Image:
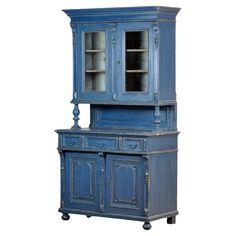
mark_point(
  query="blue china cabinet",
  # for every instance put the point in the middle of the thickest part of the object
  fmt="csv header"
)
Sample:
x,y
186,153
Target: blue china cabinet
x,y
125,164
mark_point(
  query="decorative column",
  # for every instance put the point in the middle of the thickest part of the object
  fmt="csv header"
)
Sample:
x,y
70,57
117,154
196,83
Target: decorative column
x,y
76,110
76,113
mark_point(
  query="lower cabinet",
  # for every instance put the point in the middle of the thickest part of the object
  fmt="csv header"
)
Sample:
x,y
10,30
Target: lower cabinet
x,y
103,183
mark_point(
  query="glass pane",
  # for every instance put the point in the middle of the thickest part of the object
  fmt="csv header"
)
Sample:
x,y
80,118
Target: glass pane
x,y
95,41
136,76
95,61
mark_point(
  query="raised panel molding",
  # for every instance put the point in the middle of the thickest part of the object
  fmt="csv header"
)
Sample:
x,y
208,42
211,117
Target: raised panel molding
x,y
83,180
124,184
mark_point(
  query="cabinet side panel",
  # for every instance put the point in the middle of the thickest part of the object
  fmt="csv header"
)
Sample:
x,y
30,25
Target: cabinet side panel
x,y
163,183
162,143
167,61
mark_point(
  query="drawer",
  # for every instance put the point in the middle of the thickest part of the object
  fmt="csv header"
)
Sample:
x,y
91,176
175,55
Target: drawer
x,y
71,142
105,143
133,144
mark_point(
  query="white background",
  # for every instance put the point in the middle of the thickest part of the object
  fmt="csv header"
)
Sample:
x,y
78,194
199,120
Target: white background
x,y
35,94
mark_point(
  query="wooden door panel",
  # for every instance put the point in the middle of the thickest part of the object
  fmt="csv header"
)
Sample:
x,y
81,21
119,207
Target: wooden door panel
x,y
124,184
82,181
124,175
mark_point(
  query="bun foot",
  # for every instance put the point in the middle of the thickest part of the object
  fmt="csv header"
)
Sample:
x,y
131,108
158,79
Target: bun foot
x,y
65,216
147,226
171,220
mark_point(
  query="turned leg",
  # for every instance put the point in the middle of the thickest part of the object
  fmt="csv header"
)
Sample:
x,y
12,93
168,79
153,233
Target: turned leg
x,y
171,220
65,216
147,225
76,113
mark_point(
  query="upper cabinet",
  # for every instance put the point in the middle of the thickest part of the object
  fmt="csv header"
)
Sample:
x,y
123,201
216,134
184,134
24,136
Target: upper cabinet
x,y
124,55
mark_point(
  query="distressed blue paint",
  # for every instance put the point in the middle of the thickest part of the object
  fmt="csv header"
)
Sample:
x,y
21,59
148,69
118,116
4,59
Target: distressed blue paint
x,y
167,61
163,185
123,117
125,14
70,141
118,141
124,165
101,142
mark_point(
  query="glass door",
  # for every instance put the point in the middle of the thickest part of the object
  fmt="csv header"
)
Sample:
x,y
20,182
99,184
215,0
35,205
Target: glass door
x,y
136,61
95,64
136,69
95,61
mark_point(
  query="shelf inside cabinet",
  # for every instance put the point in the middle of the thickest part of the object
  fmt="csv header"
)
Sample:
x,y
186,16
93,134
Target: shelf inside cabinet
x,y
95,71
94,50
95,80
136,71
137,50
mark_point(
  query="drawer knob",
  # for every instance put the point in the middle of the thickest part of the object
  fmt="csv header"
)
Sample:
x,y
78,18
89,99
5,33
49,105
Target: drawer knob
x,y
72,143
132,146
114,96
101,145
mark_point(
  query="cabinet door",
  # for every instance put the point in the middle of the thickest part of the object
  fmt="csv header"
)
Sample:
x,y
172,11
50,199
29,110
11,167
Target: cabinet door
x,y
82,178
125,184
94,81
136,59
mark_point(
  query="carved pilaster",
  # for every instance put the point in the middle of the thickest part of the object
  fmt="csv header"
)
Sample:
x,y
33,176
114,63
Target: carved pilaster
x,y
62,177
102,181
147,186
146,172
114,35
157,116
102,164
75,60
120,143
116,58
76,113
156,35
74,33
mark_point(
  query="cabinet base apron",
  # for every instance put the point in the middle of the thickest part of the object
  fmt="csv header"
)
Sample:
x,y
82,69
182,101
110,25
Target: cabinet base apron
x,y
168,215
